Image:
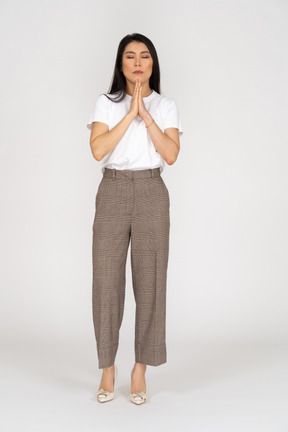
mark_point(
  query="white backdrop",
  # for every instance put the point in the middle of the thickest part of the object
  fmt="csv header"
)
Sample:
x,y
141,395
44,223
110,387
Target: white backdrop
x,y
225,63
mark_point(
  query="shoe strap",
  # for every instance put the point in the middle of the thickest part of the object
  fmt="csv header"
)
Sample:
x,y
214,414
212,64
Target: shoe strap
x,y
139,395
103,392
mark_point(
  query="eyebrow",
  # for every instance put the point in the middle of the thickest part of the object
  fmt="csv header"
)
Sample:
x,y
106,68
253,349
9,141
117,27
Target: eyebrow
x,y
126,52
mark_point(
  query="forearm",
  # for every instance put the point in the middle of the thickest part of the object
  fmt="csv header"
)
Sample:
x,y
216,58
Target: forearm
x,y
106,142
164,145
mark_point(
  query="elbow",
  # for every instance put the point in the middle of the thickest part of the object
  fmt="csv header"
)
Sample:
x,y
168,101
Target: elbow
x,y
95,152
171,161
172,158
97,156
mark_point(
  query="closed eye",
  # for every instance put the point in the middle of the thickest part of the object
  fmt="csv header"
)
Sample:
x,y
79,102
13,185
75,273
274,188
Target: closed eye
x,y
132,57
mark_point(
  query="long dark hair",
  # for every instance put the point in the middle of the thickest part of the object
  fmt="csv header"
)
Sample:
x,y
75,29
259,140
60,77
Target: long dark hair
x,y
119,80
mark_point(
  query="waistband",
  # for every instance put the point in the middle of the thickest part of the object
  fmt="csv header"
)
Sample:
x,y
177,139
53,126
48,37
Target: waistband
x,y
131,174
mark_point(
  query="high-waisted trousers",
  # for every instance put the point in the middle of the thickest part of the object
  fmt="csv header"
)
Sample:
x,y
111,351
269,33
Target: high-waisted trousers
x,y
131,204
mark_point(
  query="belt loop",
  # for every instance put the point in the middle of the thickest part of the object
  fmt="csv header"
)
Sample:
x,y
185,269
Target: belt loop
x,y
152,172
114,172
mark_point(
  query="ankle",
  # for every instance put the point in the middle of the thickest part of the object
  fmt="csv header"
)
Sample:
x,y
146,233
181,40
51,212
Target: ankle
x,y
139,368
108,372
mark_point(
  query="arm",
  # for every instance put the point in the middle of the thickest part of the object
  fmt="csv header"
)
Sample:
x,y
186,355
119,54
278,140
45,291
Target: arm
x,y
167,143
103,141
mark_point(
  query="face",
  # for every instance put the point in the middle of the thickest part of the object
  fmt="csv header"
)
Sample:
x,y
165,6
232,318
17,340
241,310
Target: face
x,y
136,57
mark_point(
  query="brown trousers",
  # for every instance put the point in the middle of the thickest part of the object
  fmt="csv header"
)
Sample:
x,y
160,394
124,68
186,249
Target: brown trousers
x,y
131,204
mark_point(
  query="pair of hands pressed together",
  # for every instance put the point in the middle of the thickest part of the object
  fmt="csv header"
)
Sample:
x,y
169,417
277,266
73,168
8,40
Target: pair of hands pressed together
x,y
137,105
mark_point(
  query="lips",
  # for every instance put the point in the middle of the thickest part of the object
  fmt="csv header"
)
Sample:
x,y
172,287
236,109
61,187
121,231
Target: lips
x,y
138,72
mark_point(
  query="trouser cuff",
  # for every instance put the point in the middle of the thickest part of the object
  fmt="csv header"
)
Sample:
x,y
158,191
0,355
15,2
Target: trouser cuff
x,y
106,356
152,355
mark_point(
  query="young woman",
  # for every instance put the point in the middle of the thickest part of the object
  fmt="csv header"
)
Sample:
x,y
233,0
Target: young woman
x,y
134,132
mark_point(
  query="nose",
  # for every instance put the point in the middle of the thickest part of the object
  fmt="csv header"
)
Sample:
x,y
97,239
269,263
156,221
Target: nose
x,y
137,62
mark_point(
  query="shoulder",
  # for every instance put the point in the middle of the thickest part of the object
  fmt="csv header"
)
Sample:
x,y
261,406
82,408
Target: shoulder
x,y
165,101
100,102
105,98
104,102
111,100
102,98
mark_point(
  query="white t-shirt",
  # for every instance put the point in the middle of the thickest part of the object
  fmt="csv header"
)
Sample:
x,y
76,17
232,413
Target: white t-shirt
x,y
135,150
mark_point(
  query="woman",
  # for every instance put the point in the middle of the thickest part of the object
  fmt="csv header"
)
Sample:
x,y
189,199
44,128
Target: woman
x,y
134,132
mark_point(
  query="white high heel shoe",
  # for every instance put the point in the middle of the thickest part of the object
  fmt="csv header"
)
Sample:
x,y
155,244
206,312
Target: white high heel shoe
x,y
104,395
138,397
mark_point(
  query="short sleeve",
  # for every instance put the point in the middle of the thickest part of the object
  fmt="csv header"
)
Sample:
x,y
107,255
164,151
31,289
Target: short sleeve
x,y
100,111
172,117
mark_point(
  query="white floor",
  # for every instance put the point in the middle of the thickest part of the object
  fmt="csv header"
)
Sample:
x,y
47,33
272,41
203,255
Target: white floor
x,y
49,386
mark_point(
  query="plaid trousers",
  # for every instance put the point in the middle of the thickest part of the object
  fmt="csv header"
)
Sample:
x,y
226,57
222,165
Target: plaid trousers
x,y
131,204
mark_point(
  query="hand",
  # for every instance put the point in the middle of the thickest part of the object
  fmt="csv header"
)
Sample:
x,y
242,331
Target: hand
x,y
137,103
142,110
134,101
